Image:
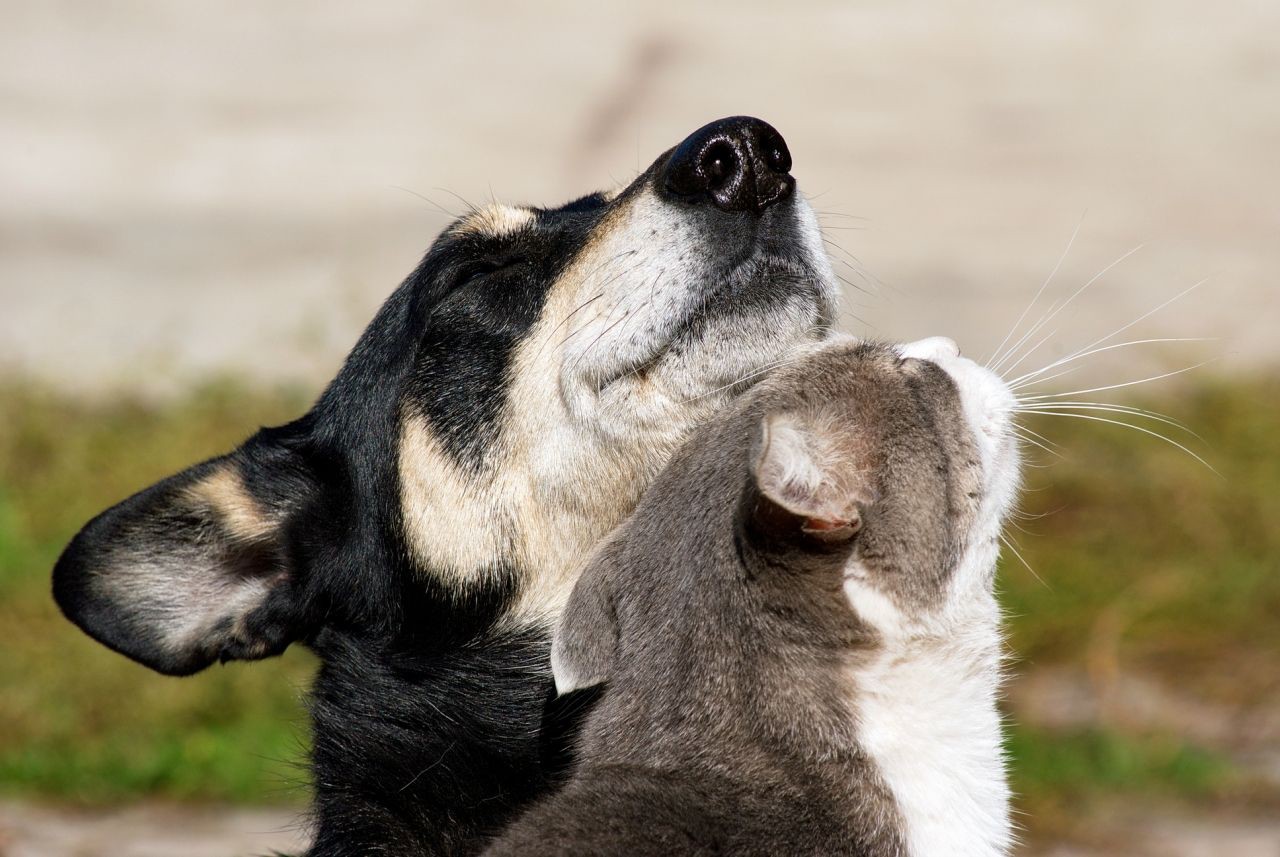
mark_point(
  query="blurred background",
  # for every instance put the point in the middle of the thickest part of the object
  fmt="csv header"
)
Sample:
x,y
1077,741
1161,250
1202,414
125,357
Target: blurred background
x,y
202,204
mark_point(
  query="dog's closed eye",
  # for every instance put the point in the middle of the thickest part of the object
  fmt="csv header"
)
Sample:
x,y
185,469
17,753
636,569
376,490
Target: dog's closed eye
x,y
475,271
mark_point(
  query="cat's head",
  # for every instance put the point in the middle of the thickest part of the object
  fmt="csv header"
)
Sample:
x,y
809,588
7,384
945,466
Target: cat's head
x,y
902,462
856,497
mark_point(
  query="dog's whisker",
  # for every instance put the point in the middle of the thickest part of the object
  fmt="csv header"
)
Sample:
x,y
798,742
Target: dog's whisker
x,y
619,305
592,273
471,209
446,212
648,303
790,355
854,263
828,213
769,367
851,284
573,366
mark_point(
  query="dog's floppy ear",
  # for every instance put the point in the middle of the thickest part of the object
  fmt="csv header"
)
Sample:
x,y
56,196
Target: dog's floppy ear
x,y
195,568
808,478
585,642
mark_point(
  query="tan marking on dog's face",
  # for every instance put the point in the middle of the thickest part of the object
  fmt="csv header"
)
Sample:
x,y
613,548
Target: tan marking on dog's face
x,y
454,521
495,220
236,510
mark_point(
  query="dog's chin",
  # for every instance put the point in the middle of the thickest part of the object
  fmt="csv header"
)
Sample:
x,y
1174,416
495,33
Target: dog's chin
x,y
703,364
756,309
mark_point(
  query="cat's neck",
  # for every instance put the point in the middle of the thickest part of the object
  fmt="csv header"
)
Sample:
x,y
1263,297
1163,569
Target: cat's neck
x,y
927,717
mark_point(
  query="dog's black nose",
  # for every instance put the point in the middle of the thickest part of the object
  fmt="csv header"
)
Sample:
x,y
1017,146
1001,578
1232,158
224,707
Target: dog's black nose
x,y
736,164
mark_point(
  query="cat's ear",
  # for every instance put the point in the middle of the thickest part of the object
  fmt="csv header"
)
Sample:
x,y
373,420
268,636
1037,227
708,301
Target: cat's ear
x,y
807,480
585,643
195,568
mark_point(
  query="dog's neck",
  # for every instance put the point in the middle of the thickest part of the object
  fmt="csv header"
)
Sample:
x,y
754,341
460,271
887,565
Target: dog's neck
x,y
426,752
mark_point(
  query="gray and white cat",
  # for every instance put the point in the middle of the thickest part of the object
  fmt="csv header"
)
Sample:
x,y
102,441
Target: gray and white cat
x,y
796,630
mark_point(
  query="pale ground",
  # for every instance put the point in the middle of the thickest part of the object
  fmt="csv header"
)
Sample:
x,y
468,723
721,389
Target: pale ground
x,y
234,187
170,831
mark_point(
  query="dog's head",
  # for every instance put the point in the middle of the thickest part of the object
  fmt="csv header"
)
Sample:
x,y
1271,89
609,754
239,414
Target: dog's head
x,y
504,409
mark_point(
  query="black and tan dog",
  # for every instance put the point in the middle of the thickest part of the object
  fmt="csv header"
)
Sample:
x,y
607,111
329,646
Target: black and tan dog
x,y
421,527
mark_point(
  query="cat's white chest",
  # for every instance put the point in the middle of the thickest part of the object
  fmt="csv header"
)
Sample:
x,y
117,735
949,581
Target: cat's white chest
x,y
927,717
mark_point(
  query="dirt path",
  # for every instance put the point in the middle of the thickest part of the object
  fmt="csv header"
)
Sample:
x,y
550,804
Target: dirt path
x,y
165,831
150,830
201,187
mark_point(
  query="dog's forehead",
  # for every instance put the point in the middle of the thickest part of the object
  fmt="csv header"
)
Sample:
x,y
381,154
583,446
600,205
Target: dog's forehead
x,y
497,221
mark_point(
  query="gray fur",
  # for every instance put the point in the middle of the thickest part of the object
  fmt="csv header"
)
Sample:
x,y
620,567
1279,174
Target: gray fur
x,y
718,620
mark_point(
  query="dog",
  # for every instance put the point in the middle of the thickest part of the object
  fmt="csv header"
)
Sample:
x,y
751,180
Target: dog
x,y
421,527
796,630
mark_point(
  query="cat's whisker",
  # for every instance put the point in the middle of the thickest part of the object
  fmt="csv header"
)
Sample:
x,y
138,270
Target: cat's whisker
x,y
1050,335
1077,353
1045,380
1137,428
1036,435
1036,297
1030,377
1043,446
1054,309
1028,516
1146,380
1022,340
1068,301
1008,542
1013,523
1109,407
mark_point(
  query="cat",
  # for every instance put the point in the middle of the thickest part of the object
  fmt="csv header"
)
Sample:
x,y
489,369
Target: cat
x,y
795,636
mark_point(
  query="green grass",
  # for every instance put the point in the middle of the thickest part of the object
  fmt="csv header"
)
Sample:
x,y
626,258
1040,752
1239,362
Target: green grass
x,y
1076,765
1149,562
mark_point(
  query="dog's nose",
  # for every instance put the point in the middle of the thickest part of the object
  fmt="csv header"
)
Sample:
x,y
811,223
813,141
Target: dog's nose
x,y
736,164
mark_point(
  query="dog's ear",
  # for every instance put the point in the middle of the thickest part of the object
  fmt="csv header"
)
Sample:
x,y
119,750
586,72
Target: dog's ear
x,y
585,642
195,568
807,478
